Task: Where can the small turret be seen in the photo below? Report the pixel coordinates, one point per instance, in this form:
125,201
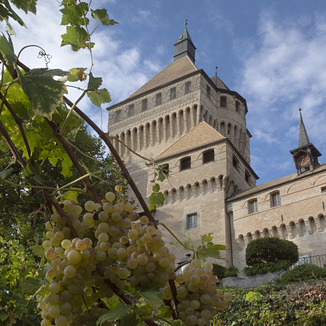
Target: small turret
184,46
306,155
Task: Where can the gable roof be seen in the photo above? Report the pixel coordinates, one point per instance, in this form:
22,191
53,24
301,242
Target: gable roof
201,135
174,70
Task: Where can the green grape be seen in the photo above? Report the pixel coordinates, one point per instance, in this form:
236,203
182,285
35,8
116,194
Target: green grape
74,256
46,322
50,254
54,287
54,311
110,196
47,244
70,271
66,244
103,216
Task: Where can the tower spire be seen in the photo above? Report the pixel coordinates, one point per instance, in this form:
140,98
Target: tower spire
306,155
303,136
184,45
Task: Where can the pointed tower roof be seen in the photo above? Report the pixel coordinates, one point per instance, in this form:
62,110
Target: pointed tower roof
303,136
306,155
184,46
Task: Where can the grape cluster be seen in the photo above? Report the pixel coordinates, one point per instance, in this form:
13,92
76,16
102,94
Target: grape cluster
114,246
197,294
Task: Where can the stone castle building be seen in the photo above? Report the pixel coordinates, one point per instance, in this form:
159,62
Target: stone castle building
194,127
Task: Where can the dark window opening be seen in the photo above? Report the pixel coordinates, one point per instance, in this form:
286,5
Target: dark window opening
185,163
187,87
144,104
164,170
247,176
117,116
158,99
223,101
173,93
131,110
237,106
208,156
235,162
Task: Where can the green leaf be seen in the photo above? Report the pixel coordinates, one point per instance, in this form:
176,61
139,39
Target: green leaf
210,251
99,97
130,319
76,74
206,238
38,250
66,163
44,93
7,50
102,16
153,297
77,37
118,312
75,14
71,195
156,187
26,5
3,315
94,82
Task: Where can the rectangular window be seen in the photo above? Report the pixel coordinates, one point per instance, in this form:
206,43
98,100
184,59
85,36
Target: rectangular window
235,162
173,93
208,156
117,115
275,199
237,106
323,189
144,104
187,87
192,221
158,99
131,110
185,163
223,101
208,92
252,206
247,176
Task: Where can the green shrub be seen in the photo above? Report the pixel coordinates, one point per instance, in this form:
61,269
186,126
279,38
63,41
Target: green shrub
231,272
304,272
266,267
219,270
271,250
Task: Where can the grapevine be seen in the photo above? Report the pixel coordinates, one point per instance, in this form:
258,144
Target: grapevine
105,262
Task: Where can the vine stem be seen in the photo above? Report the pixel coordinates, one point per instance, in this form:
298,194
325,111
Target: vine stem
80,170
175,237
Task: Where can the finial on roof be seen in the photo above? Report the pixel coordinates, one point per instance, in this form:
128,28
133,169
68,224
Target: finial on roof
303,136
216,75
186,22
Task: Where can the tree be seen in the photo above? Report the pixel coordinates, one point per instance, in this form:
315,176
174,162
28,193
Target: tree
105,263
271,250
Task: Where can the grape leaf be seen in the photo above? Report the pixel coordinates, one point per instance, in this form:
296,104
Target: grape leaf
76,74
94,82
99,96
66,165
26,5
7,50
71,195
6,12
210,251
102,16
76,37
74,14
44,93
118,312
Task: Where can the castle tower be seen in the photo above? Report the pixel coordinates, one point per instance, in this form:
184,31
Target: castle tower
306,155
196,127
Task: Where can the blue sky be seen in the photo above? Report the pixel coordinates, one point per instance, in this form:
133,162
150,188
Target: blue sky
273,53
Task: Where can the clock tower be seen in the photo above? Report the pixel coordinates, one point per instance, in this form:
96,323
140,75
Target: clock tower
306,155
